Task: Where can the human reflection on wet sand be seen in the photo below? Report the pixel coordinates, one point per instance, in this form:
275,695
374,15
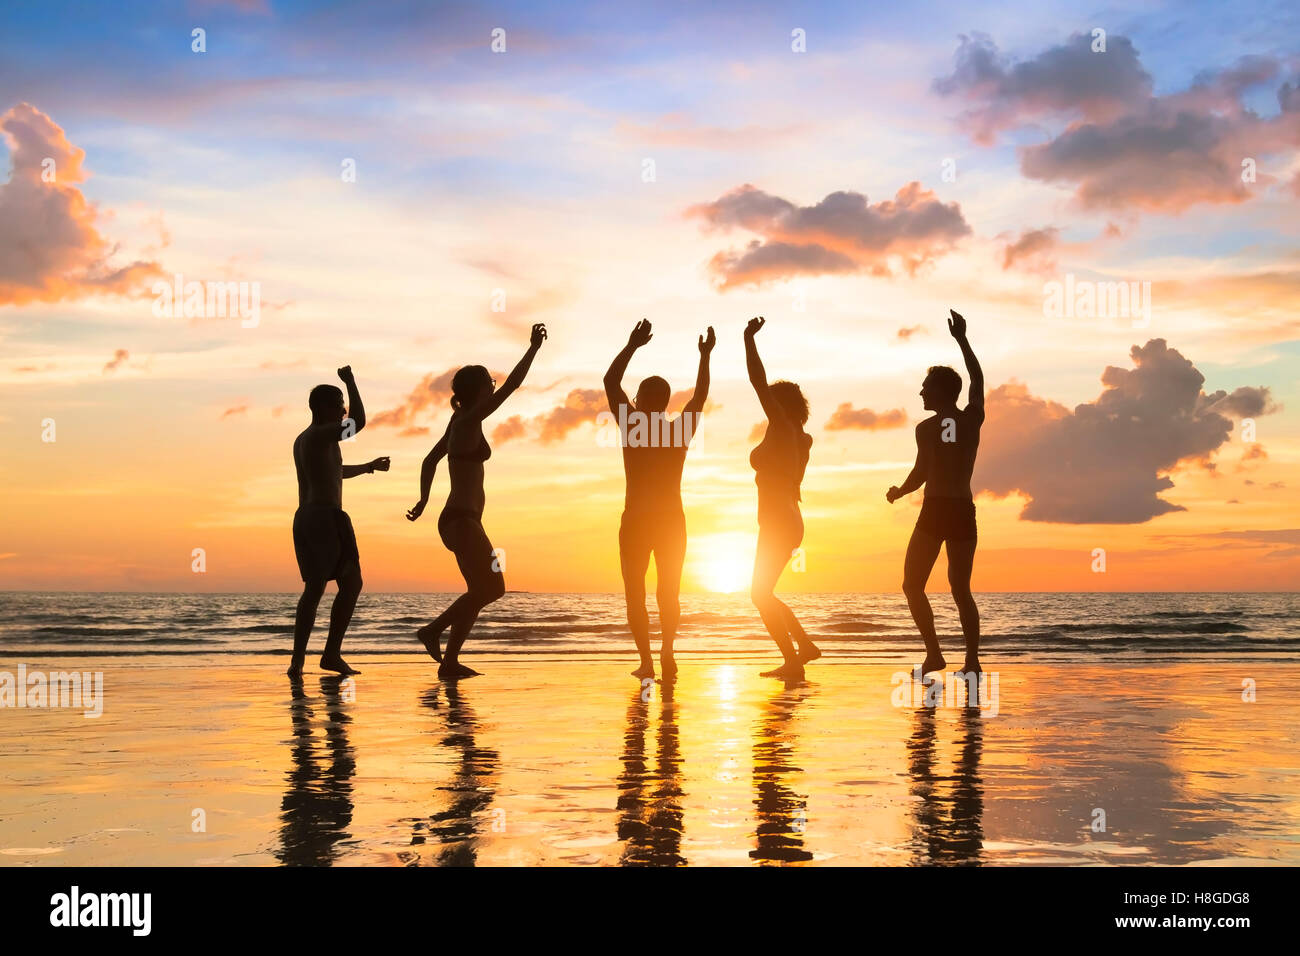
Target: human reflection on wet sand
317,806
782,813
454,832
650,801
947,828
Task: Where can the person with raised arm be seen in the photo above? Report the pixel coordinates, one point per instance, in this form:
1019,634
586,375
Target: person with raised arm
654,451
474,396
779,462
946,444
323,540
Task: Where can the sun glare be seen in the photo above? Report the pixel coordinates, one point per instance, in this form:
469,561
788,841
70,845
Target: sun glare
722,563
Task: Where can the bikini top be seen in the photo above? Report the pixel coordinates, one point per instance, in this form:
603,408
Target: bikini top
780,468
482,453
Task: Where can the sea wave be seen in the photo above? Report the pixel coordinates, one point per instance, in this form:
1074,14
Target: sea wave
1085,627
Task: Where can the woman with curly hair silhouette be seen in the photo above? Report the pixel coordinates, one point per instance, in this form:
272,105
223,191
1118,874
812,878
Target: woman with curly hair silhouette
779,462
474,397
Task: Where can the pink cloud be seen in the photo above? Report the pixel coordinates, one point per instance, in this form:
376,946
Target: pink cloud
843,233
119,356
1109,461
50,248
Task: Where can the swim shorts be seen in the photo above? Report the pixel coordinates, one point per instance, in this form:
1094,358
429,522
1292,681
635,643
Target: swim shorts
324,543
948,519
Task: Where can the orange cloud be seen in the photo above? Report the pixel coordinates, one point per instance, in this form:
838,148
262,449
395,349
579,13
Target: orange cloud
580,406
846,417
433,390
1254,452
119,356
508,430
50,250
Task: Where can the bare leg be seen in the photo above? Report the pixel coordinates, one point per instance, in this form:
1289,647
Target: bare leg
431,633
485,584
770,559
922,551
340,617
670,612
460,629
303,621
670,555
634,559
808,651
961,561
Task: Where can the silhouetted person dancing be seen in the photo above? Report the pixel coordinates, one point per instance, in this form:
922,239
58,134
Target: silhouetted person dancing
654,451
474,397
945,457
323,539
779,462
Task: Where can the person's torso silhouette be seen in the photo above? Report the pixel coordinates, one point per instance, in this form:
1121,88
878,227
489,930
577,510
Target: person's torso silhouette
319,464
951,440
779,462
653,468
467,450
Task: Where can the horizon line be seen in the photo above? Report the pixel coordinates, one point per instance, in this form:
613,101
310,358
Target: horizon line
620,594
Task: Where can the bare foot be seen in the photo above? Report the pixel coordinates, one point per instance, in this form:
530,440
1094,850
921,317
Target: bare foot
452,670
295,670
809,652
790,670
933,662
972,665
337,664
668,667
644,671
430,637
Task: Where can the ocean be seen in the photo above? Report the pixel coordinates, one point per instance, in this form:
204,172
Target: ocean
1046,627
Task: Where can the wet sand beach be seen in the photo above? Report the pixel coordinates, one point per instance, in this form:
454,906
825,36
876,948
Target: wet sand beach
219,761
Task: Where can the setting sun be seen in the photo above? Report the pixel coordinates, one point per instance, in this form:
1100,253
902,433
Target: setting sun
722,563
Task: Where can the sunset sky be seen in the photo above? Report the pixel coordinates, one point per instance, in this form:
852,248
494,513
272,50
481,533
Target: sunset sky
684,164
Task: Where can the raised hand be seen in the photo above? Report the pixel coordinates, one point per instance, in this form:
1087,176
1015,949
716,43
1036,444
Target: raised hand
893,494
754,325
957,325
345,373
381,464
538,336
418,510
706,344
640,334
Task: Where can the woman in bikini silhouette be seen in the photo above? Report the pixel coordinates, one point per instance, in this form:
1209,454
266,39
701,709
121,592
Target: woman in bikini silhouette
779,462
474,397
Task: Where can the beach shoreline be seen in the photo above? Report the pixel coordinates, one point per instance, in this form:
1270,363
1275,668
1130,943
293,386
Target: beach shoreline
217,761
